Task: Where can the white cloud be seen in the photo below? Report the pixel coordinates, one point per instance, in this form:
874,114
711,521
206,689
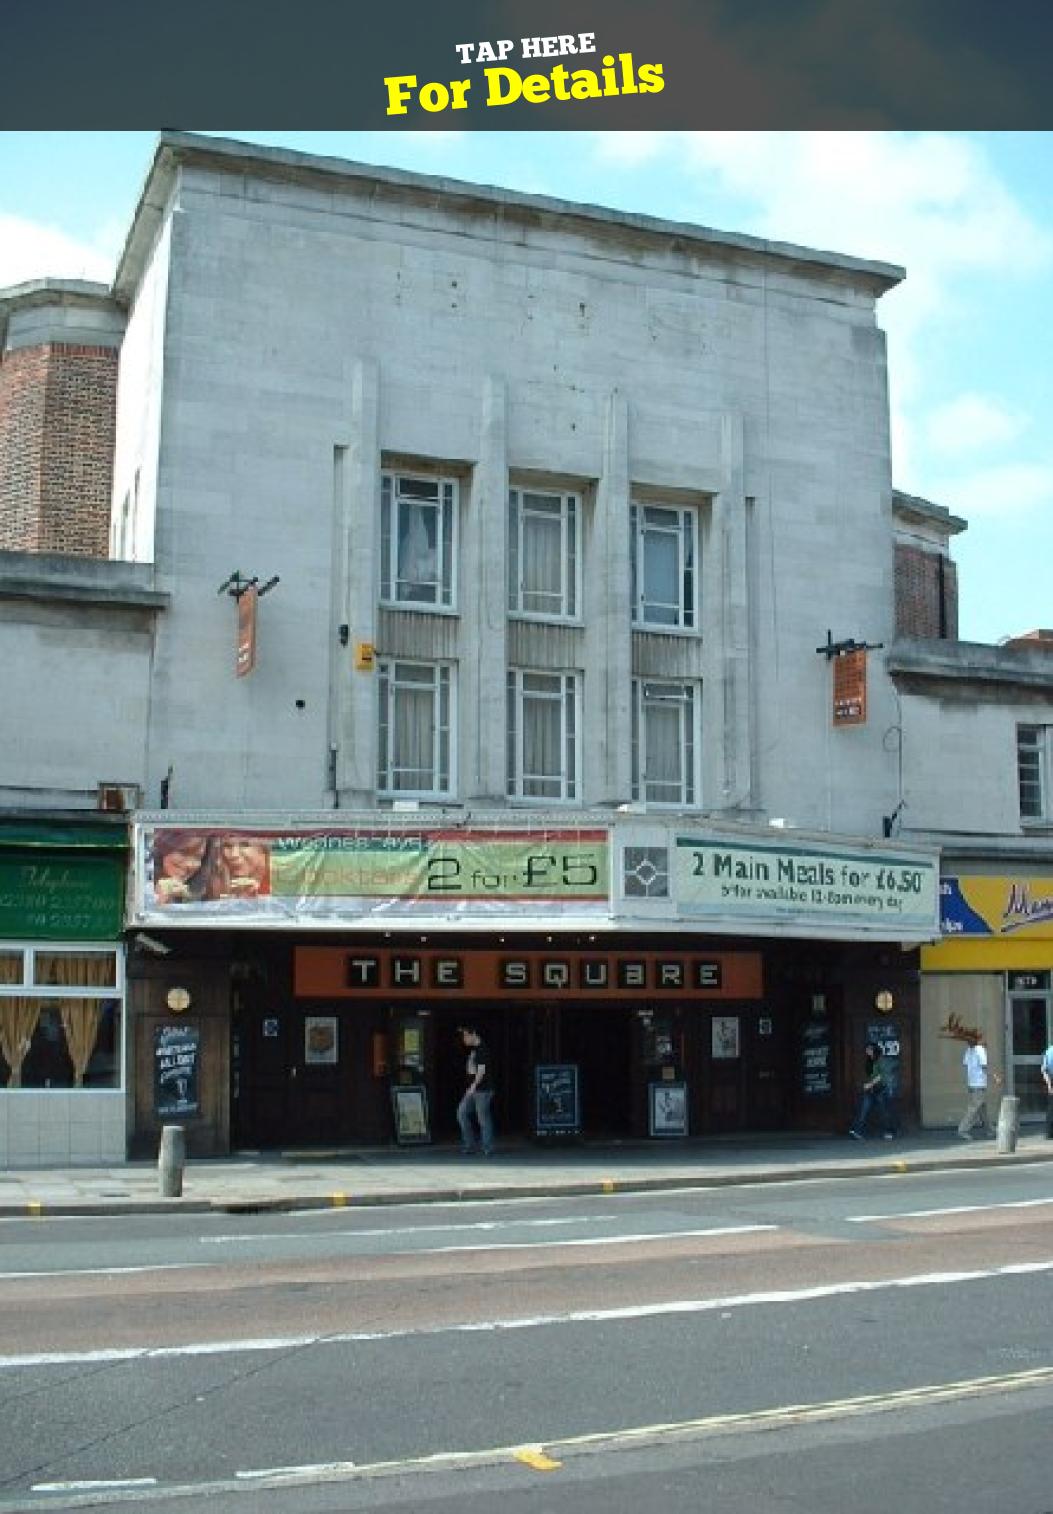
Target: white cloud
972,422
29,250
929,202
1013,489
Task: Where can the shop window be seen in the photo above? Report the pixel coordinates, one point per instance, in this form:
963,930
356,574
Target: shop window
665,743
542,736
60,1018
544,554
417,541
415,723
1034,760
664,566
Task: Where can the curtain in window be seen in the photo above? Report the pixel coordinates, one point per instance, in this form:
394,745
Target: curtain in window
412,765
542,563
18,1023
81,1018
662,759
418,551
541,745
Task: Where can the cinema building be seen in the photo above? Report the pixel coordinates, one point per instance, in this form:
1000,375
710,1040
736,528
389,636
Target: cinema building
526,575
479,606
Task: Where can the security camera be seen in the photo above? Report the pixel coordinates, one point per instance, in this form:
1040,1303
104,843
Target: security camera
151,944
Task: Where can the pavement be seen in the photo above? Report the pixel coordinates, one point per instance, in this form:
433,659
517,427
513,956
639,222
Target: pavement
364,1176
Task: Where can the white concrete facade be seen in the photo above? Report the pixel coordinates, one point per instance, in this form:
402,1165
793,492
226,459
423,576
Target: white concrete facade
320,320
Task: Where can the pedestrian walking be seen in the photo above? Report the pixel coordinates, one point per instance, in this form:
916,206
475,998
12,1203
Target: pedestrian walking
877,1093
473,1112
1046,1067
976,1074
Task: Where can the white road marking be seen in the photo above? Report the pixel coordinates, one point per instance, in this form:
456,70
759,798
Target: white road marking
7,1277
94,1485
401,1230
529,1322
600,1240
925,1214
316,1469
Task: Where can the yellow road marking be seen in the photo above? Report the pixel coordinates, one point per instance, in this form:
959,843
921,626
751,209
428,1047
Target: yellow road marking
533,1456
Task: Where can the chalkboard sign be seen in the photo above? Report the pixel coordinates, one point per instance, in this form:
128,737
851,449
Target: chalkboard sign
816,1058
176,1053
556,1102
410,1106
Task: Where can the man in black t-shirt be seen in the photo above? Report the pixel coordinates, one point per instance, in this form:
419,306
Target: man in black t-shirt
474,1108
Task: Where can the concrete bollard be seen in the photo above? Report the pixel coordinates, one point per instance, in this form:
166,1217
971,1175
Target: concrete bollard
171,1159
1008,1123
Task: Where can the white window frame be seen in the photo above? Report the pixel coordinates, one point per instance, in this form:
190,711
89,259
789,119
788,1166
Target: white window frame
433,594
523,508
1034,748
678,524
563,689
391,678
30,989
686,696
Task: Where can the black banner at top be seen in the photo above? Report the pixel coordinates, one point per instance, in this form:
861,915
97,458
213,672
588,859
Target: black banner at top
528,65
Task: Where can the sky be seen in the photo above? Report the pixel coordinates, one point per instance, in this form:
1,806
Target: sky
969,215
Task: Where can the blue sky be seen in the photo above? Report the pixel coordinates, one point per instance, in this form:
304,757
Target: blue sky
969,215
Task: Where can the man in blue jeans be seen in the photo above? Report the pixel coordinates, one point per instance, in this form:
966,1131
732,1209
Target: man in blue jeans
474,1108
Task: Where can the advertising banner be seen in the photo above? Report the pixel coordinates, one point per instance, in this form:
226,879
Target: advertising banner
210,875
813,887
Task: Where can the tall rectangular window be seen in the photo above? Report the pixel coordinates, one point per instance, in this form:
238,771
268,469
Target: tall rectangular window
1034,764
665,743
414,756
664,566
544,554
418,530
542,736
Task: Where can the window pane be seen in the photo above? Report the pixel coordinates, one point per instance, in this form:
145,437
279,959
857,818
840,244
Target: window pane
1029,769
11,967
71,1042
418,553
84,969
542,565
413,749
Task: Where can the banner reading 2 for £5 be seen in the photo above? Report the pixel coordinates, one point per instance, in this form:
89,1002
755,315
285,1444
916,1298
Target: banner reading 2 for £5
193,876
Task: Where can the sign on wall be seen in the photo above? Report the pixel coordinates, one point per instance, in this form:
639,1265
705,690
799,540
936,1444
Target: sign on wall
850,687
808,885
45,896
997,906
176,1067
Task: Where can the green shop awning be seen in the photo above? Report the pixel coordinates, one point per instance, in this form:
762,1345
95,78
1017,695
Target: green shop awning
65,835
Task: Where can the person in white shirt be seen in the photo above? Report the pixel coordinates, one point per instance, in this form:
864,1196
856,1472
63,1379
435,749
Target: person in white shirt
1046,1068
975,1064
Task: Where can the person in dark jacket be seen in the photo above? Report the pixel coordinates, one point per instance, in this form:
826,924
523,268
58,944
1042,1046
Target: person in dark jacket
877,1093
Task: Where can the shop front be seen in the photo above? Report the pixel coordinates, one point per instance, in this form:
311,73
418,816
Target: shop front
62,1023
324,994
991,972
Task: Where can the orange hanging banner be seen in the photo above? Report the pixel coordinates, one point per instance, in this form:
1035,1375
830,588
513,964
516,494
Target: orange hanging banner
246,649
850,688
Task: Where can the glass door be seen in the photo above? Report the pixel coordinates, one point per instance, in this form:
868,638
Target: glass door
1030,1032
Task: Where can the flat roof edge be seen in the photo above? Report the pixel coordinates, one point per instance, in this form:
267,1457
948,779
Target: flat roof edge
230,154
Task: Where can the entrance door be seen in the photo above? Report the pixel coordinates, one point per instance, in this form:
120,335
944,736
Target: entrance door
1030,1032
